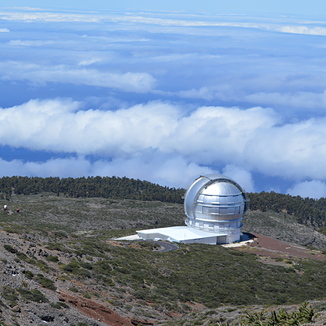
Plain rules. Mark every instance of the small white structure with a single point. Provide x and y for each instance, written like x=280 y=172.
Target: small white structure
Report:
x=214 y=206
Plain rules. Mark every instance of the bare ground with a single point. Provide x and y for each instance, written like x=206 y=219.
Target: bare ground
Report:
x=270 y=249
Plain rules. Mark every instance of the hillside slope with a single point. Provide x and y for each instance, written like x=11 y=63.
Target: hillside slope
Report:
x=60 y=266
x=284 y=227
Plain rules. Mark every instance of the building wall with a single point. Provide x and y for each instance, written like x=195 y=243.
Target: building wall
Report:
x=152 y=236
x=211 y=240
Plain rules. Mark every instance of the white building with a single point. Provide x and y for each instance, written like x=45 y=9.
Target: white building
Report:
x=214 y=207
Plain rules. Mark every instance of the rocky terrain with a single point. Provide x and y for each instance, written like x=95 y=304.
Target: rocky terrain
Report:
x=283 y=227
x=50 y=250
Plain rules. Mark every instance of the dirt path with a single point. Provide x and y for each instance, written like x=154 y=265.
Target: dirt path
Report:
x=268 y=247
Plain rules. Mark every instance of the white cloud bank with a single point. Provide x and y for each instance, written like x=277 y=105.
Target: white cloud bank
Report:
x=306 y=30
x=158 y=134
x=173 y=20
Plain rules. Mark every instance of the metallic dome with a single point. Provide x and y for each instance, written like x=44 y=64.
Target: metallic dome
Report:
x=215 y=202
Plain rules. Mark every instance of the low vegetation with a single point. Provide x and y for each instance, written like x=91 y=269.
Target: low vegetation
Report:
x=210 y=275
x=304 y=315
x=55 y=242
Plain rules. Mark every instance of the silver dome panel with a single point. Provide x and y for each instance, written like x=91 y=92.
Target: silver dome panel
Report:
x=213 y=200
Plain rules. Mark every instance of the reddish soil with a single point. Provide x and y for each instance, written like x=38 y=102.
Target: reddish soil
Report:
x=267 y=247
x=100 y=312
x=95 y=310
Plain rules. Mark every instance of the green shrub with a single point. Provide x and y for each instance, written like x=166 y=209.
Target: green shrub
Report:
x=86 y=265
x=13 y=229
x=84 y=273
x=32 y=295
x=21 y=255
x=53 y=259
x=32 y=261
x=61 y=234
x=74 y=267
x=87 y=295
x=42 y=265
x=10 y=248
x=29 y=274
x=305 y=314
x=59 y=305
x=45 y=282
x=57 y=246
x=9 y=294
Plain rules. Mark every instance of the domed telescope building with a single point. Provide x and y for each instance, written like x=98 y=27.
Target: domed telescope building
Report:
x=214 y=206
x=216 y=203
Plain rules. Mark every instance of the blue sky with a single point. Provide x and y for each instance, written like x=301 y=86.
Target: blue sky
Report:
x=166 y=91
x=292 y=7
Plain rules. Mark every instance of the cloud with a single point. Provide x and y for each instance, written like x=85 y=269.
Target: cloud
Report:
x=256 y=138
x=211 y=134
x=291 y=150
x=295 y=102
x=205 y=93
x=128 y=81
x=27 y=15
x=313 y=189
x=57 y=125
x=171 y=19
x=71 y=167
x=164 y=170
x=37 y=43
x=238 y=94
x=242 y=176
x=4 y=30
x=167 y=170
x=168 y=20
x=246 y=63
x=307 y=30
x=298 y=100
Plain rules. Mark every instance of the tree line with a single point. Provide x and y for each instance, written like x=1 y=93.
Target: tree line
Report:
x=106 y=187
x=307 y=211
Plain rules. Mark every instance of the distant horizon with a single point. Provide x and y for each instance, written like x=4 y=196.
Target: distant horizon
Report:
x=237 y=7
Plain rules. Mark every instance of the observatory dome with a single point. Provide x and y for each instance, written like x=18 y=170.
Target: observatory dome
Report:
x=216 y=203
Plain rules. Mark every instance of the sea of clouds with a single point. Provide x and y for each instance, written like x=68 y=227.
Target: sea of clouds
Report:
x=165 y=97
